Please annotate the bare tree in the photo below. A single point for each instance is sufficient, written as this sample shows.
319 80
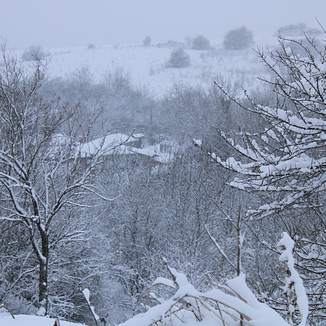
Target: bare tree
41 174
283 161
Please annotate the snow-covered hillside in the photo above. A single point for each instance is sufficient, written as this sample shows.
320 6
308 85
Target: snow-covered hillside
146 65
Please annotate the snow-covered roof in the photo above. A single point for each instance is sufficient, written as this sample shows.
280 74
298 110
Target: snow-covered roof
155 153
103 145
138 135
118 144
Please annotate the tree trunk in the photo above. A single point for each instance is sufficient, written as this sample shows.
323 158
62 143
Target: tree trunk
43 273
42 254
43 287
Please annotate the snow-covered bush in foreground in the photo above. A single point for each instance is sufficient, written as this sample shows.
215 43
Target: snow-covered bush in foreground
223 306
232 304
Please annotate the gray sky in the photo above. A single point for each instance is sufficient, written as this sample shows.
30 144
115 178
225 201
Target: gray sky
61 23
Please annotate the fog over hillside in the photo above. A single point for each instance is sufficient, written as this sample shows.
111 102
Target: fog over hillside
147 69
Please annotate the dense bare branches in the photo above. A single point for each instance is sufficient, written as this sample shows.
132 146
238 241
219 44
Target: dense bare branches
41 172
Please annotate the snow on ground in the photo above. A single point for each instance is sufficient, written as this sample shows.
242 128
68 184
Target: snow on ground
27 320
146 65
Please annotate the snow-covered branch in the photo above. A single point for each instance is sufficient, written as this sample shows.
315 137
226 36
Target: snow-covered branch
294 288
214 307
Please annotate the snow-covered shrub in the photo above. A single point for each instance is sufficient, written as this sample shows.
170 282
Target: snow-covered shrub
147 41
238 39
300 29
201 43
34 53
228 304
178 59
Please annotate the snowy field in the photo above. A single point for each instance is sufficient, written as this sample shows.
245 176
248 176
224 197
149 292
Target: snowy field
146 65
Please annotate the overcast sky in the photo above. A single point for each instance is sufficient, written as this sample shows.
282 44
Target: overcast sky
61 23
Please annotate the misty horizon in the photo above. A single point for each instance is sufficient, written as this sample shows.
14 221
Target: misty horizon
79 23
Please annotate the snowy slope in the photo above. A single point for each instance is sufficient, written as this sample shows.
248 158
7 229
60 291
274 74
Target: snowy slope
146 65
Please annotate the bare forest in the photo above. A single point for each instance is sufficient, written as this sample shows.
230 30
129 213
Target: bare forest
202 205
